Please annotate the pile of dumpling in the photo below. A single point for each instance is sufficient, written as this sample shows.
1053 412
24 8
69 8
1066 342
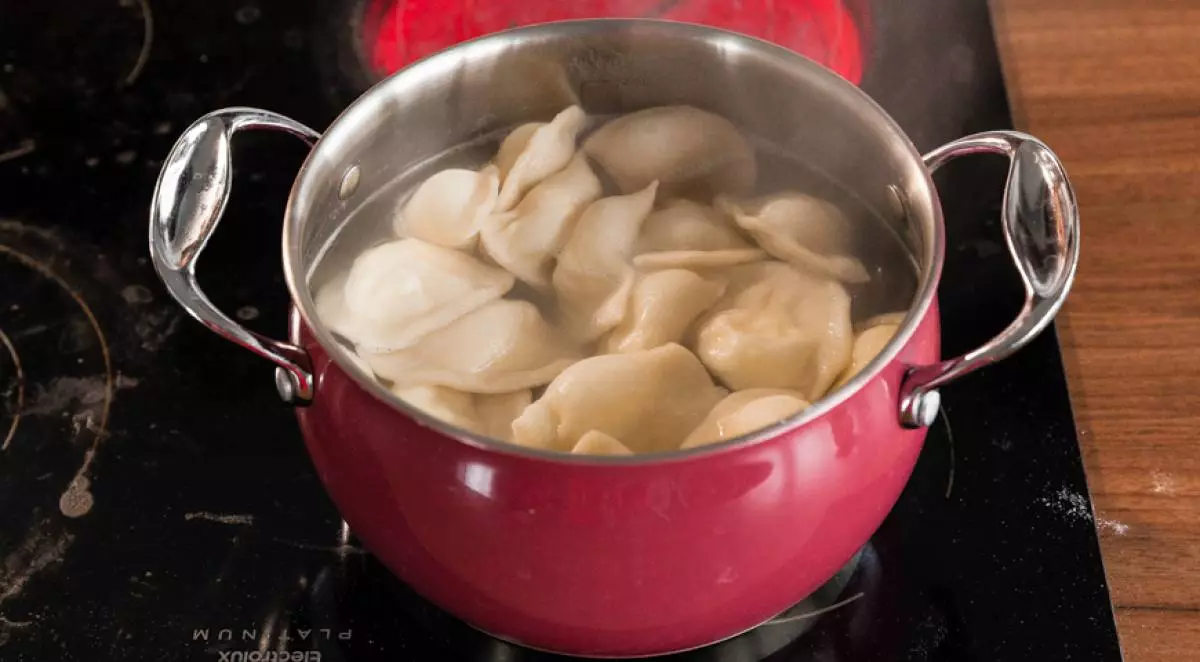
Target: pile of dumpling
673 313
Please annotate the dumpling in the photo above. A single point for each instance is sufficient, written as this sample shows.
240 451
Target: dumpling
662 307
869 342
596 442
449 208
486 414
497 411
810 233
649 400
501 347
514 145
688 235
533 152
777 327
397 292
525 240
690 152
593 277
893 319
743 412
683 225
698 259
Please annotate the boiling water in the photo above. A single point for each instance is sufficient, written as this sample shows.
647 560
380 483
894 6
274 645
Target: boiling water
893 268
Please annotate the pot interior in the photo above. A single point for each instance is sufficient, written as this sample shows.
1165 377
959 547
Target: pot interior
453 108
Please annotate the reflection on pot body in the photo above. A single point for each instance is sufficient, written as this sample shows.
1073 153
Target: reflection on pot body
478 479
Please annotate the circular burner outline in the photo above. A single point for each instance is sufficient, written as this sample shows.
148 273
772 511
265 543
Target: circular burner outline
12 427
101 430
778 620
945 418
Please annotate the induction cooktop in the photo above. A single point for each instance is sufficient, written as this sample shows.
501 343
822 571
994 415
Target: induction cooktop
158 503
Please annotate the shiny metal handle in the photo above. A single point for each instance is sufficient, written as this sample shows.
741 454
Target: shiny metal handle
1041 227
189 199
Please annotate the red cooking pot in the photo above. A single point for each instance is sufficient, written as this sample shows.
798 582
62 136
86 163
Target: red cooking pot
604 556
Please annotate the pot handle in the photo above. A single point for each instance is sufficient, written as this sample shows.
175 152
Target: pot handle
1041 227
189 199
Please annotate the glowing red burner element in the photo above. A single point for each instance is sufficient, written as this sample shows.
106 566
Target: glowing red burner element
822 30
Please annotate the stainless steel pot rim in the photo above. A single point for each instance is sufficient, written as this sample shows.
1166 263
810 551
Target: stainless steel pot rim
433 65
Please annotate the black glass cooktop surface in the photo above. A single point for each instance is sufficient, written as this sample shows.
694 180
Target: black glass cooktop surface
157 501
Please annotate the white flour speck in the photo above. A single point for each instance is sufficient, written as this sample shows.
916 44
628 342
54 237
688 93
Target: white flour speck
340 550
125 381
1112 526
39 549
135 294
932 633
1162 483
223 519
154 328
63 391
1072 505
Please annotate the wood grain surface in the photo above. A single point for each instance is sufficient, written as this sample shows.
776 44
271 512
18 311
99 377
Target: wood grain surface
1113 86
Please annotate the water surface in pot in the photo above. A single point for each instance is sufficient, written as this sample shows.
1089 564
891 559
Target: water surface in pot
888 286
875 242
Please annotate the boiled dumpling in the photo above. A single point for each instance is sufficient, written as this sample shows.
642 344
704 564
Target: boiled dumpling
688 235
777 327
806 231
525 240
683 225
869 342
596 442
593 278
661 308
497 411
501 347
397 292
533 152
690 152
449 208
743 412
698 259
446 404
649 400
893 319
486 414
514 145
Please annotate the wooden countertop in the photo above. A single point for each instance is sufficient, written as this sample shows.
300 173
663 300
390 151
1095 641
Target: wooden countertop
1113 86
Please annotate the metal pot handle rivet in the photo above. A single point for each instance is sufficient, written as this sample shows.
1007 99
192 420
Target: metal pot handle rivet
189 199
1040 219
